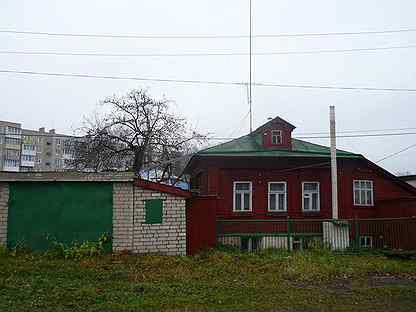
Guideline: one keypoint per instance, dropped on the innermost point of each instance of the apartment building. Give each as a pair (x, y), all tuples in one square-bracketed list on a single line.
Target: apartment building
[(30, 150)]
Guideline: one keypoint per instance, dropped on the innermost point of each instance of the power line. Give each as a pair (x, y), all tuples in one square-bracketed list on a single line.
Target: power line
[(207, 36), (396, 153), (338, 136), (358, 135), (208, 82), (362, 131), (197, 54), (230, 138)]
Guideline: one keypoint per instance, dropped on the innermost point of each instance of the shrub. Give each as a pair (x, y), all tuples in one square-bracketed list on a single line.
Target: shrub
[(3, 251), (78, 250)]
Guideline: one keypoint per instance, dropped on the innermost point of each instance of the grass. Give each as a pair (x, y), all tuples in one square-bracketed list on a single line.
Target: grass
[(213, 281)]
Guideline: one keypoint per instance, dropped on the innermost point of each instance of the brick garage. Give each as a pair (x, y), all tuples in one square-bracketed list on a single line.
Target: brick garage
[(147, 217)]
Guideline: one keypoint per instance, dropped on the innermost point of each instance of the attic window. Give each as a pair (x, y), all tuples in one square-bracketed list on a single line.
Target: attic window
[(276, 137)]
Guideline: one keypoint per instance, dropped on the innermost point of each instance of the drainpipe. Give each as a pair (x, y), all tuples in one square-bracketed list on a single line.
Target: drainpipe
[(334, 177)]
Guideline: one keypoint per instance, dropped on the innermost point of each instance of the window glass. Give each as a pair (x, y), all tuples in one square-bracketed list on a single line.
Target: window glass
[(279, 187), (276, 137), (246, 201), (272, 201), (311, 200), (277, 196), (363, 193), (242, 186), (310, 186), (237, 201), (242, 196), (281, 202)]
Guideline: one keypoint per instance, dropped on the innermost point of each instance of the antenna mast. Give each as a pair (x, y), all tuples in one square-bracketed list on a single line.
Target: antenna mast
[(249, 91)]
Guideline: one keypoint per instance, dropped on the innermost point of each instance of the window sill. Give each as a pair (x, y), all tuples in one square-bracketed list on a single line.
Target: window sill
[(363, 206), (246, 213), (277, 213)]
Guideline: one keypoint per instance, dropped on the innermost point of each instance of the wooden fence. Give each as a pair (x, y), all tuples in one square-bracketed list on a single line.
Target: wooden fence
[(341, 235)]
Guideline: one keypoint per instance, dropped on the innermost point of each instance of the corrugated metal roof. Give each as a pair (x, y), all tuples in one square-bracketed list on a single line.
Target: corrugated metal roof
[(67, 176), (252, 145)]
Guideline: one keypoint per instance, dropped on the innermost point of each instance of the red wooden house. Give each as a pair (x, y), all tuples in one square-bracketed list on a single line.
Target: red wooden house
[(268, 175)]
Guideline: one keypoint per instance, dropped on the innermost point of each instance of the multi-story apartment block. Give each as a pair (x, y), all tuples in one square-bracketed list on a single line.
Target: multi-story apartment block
[(10, 143), (30, 150)]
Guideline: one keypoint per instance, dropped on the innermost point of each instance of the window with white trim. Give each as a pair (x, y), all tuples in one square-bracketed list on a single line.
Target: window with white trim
[(242, 196), (277, 196), (311, 200), (276, 137), (363, 193)]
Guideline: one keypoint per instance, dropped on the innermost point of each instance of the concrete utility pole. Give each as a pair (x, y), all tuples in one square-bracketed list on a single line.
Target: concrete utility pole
[(334, 176)]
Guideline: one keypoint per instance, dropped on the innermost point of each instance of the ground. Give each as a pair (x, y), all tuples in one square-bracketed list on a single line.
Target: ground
[(212, 281)]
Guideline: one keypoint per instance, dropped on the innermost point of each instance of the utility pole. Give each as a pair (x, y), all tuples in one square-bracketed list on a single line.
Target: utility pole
[(250, 55), (334, 176)]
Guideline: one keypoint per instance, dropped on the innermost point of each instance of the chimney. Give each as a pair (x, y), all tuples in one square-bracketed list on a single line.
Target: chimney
[(52, 131), (42, 130)]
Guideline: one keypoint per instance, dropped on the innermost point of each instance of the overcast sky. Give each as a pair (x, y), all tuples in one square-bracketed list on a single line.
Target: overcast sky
[(61, 102)]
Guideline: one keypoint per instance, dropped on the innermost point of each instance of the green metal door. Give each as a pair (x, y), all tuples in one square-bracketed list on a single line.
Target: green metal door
[(62, 211)]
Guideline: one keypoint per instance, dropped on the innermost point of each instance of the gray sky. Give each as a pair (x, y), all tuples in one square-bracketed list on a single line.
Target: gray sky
[(61, 103)]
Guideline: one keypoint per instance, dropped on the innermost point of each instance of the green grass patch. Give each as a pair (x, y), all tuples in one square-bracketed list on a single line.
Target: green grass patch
[(211, 281)]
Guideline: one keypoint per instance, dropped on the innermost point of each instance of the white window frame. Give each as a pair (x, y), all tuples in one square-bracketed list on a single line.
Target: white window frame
[(280, 135), (277, 192), (365, 189), (303, 196), (242, 202)]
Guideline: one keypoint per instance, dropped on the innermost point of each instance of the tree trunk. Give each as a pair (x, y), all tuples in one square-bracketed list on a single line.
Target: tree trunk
[(138, 161)]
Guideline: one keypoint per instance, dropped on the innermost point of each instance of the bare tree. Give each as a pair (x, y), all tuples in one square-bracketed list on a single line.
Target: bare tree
[(138, 133)]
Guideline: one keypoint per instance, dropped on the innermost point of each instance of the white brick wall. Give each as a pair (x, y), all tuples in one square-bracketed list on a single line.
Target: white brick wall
[(167, 238), (4, 209), (122, 216)]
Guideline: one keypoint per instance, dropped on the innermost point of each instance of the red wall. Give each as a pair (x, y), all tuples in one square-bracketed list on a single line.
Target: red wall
[(220, 174), (286, 138), (200, 224)]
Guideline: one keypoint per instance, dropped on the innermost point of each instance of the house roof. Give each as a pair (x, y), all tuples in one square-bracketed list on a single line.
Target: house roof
[(408, 177), (67, 176), (163, 188), (252, 145), (275, 120)]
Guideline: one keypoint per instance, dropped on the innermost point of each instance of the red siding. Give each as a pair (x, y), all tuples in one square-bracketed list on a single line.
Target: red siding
[(286, 138), (200, 224), (387, 192)]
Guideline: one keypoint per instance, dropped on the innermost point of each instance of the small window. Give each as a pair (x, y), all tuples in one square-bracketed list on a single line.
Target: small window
[(366, 241), (277, 196), (363, 193), (276, 137), (242, 196), (311, 200), (154, 211)]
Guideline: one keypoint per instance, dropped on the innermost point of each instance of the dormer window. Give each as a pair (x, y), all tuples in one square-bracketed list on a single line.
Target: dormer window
[(276, 137)]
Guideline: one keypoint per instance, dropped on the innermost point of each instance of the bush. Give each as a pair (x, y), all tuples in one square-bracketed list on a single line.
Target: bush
[(77, 250), (3, 251)]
